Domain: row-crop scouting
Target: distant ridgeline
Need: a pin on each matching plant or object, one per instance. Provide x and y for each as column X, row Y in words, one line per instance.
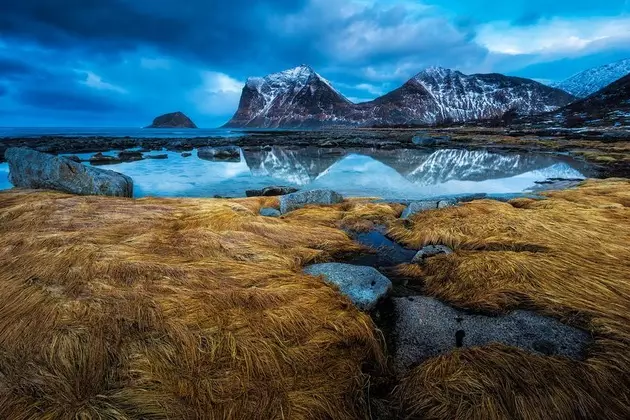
column 301, row 98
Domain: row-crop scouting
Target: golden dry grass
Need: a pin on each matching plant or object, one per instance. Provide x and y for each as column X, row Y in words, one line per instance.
column 162, row 308
column 567, row 257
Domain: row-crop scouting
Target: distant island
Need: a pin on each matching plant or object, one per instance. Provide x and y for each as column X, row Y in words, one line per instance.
column 173, row 120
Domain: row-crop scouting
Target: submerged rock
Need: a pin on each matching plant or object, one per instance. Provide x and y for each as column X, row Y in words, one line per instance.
column 431, row 251
column 365, row 286
column 101, row 159
column 31, row 169
column 426, row 327
column 222, row 153
column 270, row 212
column 160, row 156
column 300, row 199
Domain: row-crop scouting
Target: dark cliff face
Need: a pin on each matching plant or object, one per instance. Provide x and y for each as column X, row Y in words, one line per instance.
column 173, row 120
column 301, row 98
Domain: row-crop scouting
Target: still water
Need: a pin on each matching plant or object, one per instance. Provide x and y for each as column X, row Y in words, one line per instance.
column 398, row 174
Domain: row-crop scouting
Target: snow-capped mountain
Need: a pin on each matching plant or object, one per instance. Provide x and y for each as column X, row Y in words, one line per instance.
column 293, row 98
column 590, row 81
column 301, row 98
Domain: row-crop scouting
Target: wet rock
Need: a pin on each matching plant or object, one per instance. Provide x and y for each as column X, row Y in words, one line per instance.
column 300, row 199
column 74, row 158
column 418, row 207
column 426, row 327
column 130, row 156
column 186, row 154
column 270, row 212
column 365, row 286
column 31, row 169
column 431, row 251
column 271, row 191
column 220, row 153
column 160, row 156
column 101, row 159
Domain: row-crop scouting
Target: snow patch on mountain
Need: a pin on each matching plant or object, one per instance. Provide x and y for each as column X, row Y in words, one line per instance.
column 592, row 80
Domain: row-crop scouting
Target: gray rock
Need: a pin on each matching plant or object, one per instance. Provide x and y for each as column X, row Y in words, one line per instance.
column 418, row 207
column 300, row 199
column 365, row 286
column 269, row 212
column 426, row 327
column 442, row 204
column 431, row 251
column 221, row 153
column 31, row 169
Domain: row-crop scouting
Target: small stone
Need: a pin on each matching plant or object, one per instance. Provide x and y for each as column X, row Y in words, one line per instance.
column 431, row 251
column 270, row 212
column 365, row 286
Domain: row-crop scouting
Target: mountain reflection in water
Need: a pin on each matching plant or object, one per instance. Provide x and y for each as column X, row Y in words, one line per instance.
column 395, row 174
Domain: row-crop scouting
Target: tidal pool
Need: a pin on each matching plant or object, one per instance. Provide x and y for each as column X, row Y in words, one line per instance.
column 396, row 174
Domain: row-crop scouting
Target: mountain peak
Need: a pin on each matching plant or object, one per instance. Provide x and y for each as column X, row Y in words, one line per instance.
column 590, row 81
column 436, row 72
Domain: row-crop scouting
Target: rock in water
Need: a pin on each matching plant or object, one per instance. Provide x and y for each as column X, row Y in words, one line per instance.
column 426, row 327
column 173, row 120
column 220, row 153
column 300, row 199
column 365, row 286
column 271, row 191
column 32, row 169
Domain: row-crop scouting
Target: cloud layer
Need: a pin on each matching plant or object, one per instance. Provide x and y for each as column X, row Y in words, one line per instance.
column 121, row 62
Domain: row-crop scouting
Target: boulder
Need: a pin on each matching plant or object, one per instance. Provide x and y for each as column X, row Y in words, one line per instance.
column 431, row 251
column 300, row 199
column 425, row 327
column 365, row 286
column 220, row 153
column 269, row 212
column 101, row 159
column 31, row 169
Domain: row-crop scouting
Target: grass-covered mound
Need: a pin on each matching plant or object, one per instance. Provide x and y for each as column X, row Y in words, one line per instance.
column 162, row 308
column 180, row 309
column 567, row 257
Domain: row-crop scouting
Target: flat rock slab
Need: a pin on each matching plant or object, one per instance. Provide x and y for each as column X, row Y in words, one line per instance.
column 31, row 169
column 426, row 327
column 300, row 199
column 365, row 286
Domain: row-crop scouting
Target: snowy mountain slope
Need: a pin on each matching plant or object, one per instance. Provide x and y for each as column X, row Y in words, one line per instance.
column 608, row 107
column 301, row 98
column 590, row 81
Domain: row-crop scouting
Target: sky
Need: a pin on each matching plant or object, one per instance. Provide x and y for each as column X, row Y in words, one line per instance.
column 120, row 63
